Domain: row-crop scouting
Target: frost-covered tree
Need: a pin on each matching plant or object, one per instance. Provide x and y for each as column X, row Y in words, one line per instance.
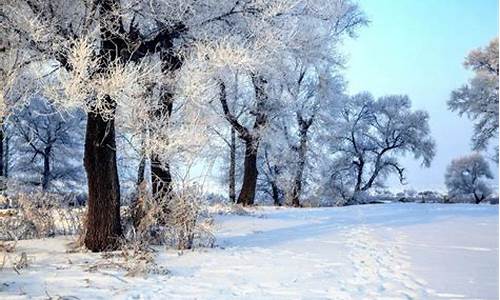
column 81, row 49
column 301, row 27
column 290, row 151
column 317, row 90
column 124, row 62
column 272, row 164
column 466, row 177
column 479, row 98
column 47, row 146
column 367, row 138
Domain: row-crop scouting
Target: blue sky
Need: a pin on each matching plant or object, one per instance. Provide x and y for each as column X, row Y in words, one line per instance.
column 416, row 47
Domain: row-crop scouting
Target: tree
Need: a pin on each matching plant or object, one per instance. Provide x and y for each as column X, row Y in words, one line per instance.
column 82, row 51
column 46, row 145
column 251, row 138
column 271, row 167
column 465, row 176
column 124, row 61
column 314, row 89
column 316, row 25
column 479, row 98
column 369, row 136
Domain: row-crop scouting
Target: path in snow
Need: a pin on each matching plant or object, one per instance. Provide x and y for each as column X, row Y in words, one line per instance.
column 395, row 251
column 381, row 267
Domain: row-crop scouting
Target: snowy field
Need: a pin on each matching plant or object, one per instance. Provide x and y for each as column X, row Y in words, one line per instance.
column 390, row 251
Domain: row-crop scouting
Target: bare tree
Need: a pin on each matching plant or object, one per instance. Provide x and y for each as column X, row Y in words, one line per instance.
column 465, row 177
column 47, row 145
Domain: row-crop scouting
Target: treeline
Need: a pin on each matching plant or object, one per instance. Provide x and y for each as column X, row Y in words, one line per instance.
column 168, row 91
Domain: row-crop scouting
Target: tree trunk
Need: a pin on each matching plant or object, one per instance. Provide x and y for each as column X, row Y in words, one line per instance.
column 247, row 193
column 232, row 167
column 46, row 168
column 6, row 147
column 3, row 161
column 103, row 207
column 297, row 185
column 477, row 198
column 137, row 204
column 275, row 193
column 297, row 188
column 140, row 172
column 2, row 137
column 161, row 179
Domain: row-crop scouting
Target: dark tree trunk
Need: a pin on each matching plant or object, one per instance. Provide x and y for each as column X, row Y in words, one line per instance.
column 161, row 179
column 251, row 138
column 137, row 210
column 359, row 180
column 247, row 193
column 275, row 193
column 478, row 199
column 46, row 168
column 3, row 160
column 273, row 171
column 103, row 208
column 232, row 167
column 140, row 172
column 297, row 187
column 2, row 138
column 6, row 155
column 301, row 151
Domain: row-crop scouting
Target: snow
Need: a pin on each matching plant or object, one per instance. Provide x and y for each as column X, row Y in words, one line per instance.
column 383, row 251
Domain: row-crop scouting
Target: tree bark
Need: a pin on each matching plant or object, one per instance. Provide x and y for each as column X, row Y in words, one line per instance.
column 2, row 138
column 137, row 205
column 46, row 168
column 6, row 155
column 232, row 167
column 302, row 151
column 477, row 198
column 161, row 179
column 297, row 187
column 140, row 172
column 275, row 193
column 247, row 193
column 251, row 138
column 103, row 206
column 3, row 161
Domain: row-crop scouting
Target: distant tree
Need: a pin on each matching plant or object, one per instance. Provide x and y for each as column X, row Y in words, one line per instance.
column 465, row 176
column 47, row 145
column 479, row 98
column 311, row 88
column 368, row 137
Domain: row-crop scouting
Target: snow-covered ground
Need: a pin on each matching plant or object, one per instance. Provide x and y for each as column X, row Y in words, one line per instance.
column 390, row 251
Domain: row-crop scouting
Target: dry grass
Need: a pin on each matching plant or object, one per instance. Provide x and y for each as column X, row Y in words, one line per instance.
column 179, row 219
column 39, row 215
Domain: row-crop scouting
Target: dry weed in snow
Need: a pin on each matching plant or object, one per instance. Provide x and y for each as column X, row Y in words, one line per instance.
column 39, row 215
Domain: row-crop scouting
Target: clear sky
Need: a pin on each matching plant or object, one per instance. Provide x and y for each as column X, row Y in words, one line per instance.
column 416, row 47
